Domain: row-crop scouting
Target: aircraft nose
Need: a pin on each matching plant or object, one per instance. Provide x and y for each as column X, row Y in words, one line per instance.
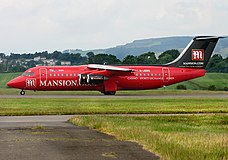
column 11, row 83
column 15, row 83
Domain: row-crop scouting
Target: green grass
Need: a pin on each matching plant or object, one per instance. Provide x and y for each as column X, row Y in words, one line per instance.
column 60, row 106
column 171, row 137
column 220, row 80
column 6, row 77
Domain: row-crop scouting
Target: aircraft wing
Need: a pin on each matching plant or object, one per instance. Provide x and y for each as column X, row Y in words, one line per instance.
column 99, row 73
column 109, row 68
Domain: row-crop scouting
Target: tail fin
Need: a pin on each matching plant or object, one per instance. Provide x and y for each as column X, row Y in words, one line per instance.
column 197, row 53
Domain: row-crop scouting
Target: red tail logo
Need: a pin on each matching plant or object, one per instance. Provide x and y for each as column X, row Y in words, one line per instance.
column 197, row 54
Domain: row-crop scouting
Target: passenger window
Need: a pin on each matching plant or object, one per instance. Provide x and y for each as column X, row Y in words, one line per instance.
column 66, row 75
column 71, row 75
column 62, row 75
column 75, row 74
column 50, row 75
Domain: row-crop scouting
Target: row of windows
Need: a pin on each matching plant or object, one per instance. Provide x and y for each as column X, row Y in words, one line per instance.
column 62, row 75
column 148, row 74
column 74, row 74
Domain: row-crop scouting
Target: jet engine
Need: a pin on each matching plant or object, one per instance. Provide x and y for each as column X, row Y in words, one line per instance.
column 91, row 79
column 83, row 78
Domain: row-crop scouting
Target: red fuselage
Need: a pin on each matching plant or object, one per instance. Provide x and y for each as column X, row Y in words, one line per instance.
column 69, row 78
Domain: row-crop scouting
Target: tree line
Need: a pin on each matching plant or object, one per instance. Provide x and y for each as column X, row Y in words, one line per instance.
column 216, row 64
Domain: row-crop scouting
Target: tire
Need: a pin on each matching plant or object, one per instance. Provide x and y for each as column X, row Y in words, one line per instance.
column 110, row 93
column 22, row 93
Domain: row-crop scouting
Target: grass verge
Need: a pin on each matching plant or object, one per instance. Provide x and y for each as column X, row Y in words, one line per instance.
column 171, row 137
column 61, row 106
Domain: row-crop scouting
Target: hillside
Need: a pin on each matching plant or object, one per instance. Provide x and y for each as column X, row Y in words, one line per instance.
column 156, row 45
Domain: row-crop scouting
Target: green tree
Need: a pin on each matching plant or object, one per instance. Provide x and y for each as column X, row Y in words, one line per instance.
column 181, row 86
column 147, row 58
column 58, row 63
column 77, row 58
column 18, row 69
column 14, row 56
column 90, row 54
column 31, row 64
column 1, row 67
column 168, row 56
column 56, row 54
column 104, row 59
column 212, row 88
column 217, row 64
column 2, row 55
column 130, row 59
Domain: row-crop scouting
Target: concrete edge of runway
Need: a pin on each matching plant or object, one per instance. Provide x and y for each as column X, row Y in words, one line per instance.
column 57, row 118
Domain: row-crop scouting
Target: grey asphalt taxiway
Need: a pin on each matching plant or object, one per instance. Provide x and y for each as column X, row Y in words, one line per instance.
column 53, row 137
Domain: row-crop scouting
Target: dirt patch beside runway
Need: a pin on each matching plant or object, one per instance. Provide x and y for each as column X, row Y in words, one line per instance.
column 53, row 138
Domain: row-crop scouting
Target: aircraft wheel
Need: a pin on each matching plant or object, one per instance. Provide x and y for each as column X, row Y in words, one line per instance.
column 22, row 92
column 110, row 93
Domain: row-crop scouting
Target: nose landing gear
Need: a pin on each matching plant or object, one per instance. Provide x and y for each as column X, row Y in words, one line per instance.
column 22, row 92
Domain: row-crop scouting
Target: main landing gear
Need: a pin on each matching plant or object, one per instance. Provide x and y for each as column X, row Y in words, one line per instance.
column 22, row 92
column 110, row 93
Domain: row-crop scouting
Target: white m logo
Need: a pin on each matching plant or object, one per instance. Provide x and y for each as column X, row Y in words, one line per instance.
column 30, row 83
column 197, row 54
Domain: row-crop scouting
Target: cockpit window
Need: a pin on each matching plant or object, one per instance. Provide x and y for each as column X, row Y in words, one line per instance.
column 28, row 74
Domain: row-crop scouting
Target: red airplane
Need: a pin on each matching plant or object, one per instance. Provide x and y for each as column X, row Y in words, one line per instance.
column 108, row 79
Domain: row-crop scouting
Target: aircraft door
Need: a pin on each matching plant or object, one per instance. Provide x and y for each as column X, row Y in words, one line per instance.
column 165, row 74
column 43, row 74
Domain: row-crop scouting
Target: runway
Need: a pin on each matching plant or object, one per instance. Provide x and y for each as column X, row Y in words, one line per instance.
column 132, row 96
column 52, row 137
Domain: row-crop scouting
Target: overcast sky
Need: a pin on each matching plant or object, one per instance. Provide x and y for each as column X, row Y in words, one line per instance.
column 39, row 25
